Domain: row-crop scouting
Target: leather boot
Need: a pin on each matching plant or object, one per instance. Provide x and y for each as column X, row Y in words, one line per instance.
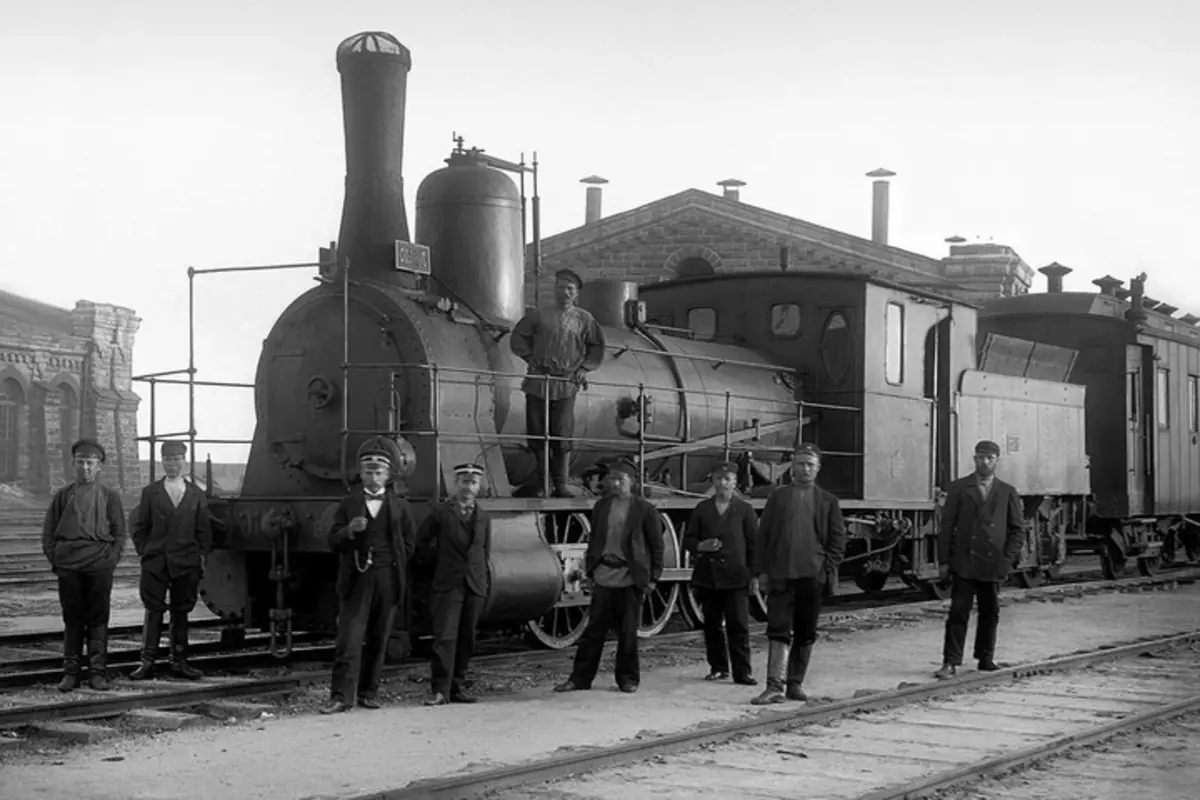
column 151, row 632
column 777, row 659
column 559, row 475
column 797, row 669
column 179, row 647
column 97, row 643
column 72, row 653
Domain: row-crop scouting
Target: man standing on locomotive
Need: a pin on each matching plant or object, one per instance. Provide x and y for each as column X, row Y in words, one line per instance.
column 457, row 539
column 172, row 534
column 981, row 536
column 720, row 536
column 82, row 538
column 374, row 534
column 801, row 541
column 560, row 345
column 624, row 561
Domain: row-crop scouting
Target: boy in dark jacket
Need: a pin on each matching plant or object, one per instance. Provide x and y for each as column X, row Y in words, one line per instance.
column 374, row 534
column 624, row 561
column 720, row 537
column 457, row 539
column 83, row 537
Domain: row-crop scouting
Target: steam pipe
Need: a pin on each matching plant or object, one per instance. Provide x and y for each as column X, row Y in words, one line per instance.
column 537, row 237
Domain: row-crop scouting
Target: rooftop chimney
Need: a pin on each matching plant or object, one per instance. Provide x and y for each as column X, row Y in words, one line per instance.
column 731, row 187
column 879, row 204
column 374, row 68
column 1055, row 273
column 1108, row 285
column 591, row 211
column 1137, row 286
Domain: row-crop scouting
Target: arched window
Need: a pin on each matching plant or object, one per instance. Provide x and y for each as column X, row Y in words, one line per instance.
column 837, row 348
column 12, row 402
column 68, row 425
column 693, row 267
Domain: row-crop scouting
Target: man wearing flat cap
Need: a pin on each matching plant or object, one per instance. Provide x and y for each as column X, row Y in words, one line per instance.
column 560, row 345
column 456, row 540
column 720, row 536
column 801, row 541
column 980, row 539
column 624, row 562
column 83, row 537
column 374, row 534
column 172, row 533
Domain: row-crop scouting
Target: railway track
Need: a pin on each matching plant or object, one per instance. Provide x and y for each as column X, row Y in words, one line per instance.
column 911, row 742
column 20, row 711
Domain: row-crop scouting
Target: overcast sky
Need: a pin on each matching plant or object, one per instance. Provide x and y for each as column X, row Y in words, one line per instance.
column 142, row 137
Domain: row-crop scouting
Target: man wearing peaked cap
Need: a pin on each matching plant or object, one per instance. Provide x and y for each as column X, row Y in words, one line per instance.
column 980, row 539
column 374, row 534
column 83, row 537
column 172, row 532
column 456, row 541
column 560, row 345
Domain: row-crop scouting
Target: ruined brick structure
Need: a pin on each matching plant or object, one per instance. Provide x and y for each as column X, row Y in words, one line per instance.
column 696, row 233
column 66, row 374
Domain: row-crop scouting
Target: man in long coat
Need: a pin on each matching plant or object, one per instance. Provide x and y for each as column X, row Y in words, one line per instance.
column 720, row 536
column 83, row 537
column 560, row 345
column 801, row 541
column 456, row 539
column 374, row 535
column 624, row 561
column 172, row 533
column 980, row 540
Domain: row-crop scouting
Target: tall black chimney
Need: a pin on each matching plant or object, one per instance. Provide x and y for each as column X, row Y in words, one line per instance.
column 374, row 68
column 879, row 204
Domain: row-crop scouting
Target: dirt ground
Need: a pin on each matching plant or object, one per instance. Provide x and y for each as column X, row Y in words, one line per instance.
column 33, row 609
column 350, row 754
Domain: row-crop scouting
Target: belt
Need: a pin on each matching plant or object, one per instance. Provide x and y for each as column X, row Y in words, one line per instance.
column 610, row 560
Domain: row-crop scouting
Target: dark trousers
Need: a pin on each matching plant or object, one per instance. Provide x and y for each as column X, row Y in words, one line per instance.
column 793, row 609
column 611, row 608
column 84, row 597
column 455, row 616
column 184, row 590
column 731, row 606
column 962, row 597
column 365, row 616
column 561, row 422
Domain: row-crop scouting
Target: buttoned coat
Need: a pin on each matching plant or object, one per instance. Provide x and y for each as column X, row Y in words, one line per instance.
column 458, row 549
column 643, row 550
column 171, row 539
column 732, row 566
column 981, row 539
column 402, row 537
column 777, row 518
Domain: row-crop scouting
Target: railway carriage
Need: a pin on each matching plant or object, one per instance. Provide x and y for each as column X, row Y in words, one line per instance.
column 410, row 339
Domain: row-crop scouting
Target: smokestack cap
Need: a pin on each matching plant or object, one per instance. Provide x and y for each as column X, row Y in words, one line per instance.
column 593, row 180
column 881, row 173
column 373, row 44
column 1108, row 285
column 731, row 183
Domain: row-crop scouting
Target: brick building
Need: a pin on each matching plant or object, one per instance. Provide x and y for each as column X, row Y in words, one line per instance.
column 66, row 374
column 697, row 233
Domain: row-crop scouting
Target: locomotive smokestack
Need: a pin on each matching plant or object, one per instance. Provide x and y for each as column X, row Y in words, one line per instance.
column 591, row 212
column 1054, row 276
column 1137, row 288
column 374, row 68
column 879, row 204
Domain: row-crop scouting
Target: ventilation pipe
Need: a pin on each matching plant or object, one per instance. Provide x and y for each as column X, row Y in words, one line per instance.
column 730, row 189
column 591, row 211
column 1108, row 285
column 1137, row 288
column 1055, row 273
column 879, row 204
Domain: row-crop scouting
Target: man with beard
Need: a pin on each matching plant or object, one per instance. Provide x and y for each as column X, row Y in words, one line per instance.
column 374, row 535
column 981, row 535
column 801, row 541
column 172, row 533
column 83, row 538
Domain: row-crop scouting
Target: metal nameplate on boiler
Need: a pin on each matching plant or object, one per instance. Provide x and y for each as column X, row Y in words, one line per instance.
column 412, row 258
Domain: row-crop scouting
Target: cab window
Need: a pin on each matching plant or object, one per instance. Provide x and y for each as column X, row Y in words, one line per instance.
column 703, row 323
column 785, row 320
column 837, row 348
column 893, row 356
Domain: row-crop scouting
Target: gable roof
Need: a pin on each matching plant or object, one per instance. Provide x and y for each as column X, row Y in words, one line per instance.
column 25, row 315
column 816, row 243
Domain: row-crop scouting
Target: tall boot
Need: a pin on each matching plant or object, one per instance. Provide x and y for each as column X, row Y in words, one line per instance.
column 179, row 647
column 72, row 654
column 559, row 474
column 777, row 659
column 151, row 632
column 97, row 643
column 797, row 669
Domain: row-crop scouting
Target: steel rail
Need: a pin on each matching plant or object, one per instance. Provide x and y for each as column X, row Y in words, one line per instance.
column 474, row 785
column 923, row 787
column 55, row 636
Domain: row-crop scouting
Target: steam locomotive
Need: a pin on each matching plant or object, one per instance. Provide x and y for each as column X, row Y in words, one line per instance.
column 410, row 338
